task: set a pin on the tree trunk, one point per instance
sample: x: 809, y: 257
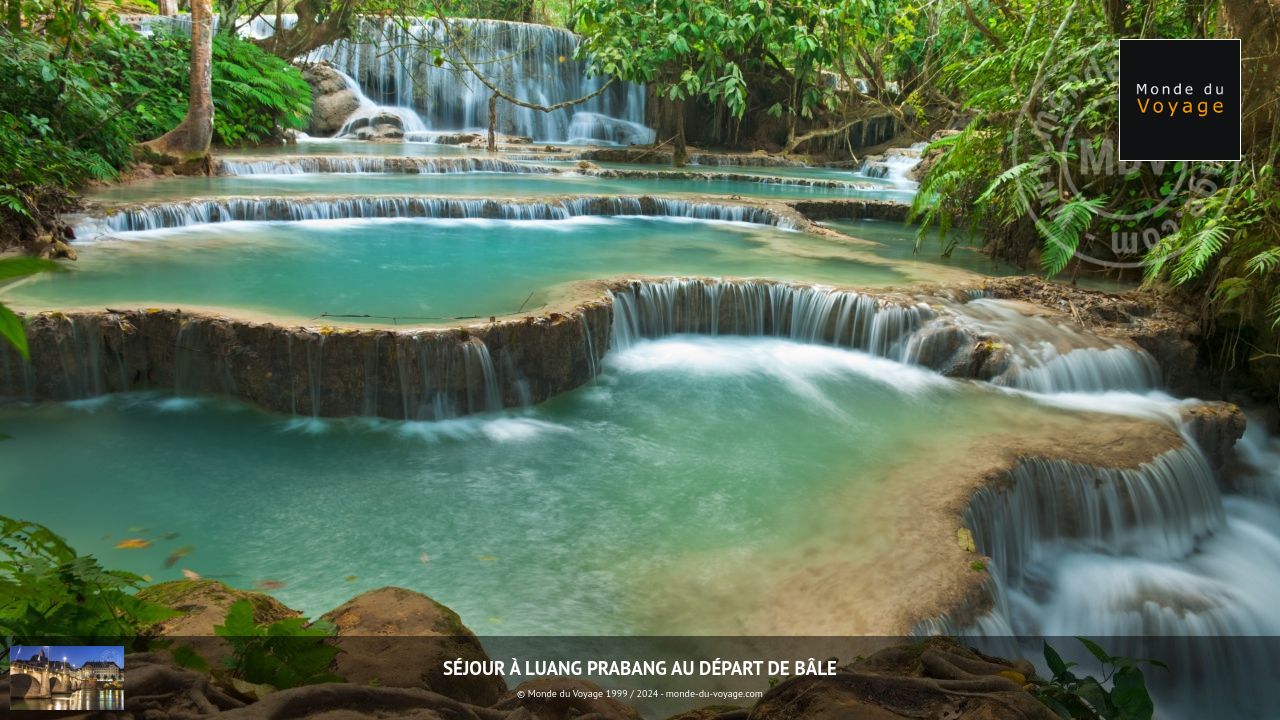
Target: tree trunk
x: 493, y: 122
x: 168, y: 7
x: 680, y: 155
x: 190, y: 140
x: 1257, y: 24
x: 318, y: 24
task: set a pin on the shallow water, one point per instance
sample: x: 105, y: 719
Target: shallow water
x: 426, y: 269
x: 896, y: 241
x: 576, y: 516
x: 479, y: 184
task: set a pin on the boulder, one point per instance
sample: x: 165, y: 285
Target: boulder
x: 394, y: 637
x: 201, y: 605
x: 1215, y: 426
x: 379, y: 126
x: 332, y: 100
x: 543, y: 700
x: 937, y: 678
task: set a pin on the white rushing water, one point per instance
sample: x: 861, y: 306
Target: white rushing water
x: 894, y: 165
x: 1157, y: 561
x: 392, y: 66
x: 156, y: 216
x: 395, y: 64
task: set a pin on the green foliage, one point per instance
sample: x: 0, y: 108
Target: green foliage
x: 1038, y: 160
x: 255, y: 94
x: 78, y: 96
x: 805, y: 54
x: 1088, y: 698
x: 287, y: 653
x: 57, y: 128
x: 47, y: 590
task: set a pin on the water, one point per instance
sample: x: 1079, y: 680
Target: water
x: 730, y: 454
x: 416, y: 268
x: 394, y: 64
x: 78, y: 700
x: 470, y: 184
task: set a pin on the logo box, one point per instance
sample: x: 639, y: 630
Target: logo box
x: 1179, y: 100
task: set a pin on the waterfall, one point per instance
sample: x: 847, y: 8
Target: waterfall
x: 372, y: 164
x: 1046, y: 356
x: 476, y: 353
x: 368, y: 112
x: 155, y: 216
x: 804, y: 313
x: 894, y: 165
x: 396, y: 64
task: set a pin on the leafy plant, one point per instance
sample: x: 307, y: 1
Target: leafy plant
x: 48, y: 591
x: 287, y: 653
x: 11, y: 327
x: 1088, y: 697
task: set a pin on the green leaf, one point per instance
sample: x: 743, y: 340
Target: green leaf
x: 1130, y: 697
x: 1054, y: 660
x: 12, y: 329
x: 21, y: 266
x: 1096, y: 650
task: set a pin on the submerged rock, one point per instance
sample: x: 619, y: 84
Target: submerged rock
x: 394, y: 637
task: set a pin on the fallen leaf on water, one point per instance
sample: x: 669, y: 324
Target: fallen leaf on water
x: 488, y: 558
x: 190, y: 574
x: 133, y: 544
x: 177, y: 555
x: 270, y: 584
x: 137, y: 529
x: 351, y: 578
x: 424, y: 559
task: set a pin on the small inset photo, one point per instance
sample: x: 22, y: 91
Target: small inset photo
x: 66, y: 677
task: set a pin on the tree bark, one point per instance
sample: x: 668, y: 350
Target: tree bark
x: 1257, y: 24
x: 190, y: 140
x: 680, y: 154
x: 168, y: 7
x: 319, y: 23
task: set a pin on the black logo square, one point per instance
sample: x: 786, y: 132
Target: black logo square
x: 1179, y: 100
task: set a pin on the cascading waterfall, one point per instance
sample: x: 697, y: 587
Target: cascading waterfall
x: 894, y: 166
x: 804, y: 313
x: 368, y: 112
x: 1046, y: 356
x: 155, y: 216
x: 395, y: 64
x: 1154, y: 561
x: 373, y: 164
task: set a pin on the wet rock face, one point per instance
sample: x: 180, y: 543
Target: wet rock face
x: 935, y: 679
x: 427, y: 374
x: 1168, y: 335
x: 852, y: 210
x: 392, y: 637
x: 332, y: 101
x: 1215, y: 426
